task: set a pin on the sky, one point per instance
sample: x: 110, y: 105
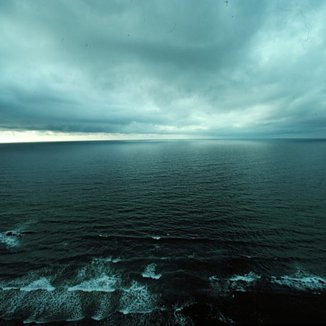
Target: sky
x: 138, y: 69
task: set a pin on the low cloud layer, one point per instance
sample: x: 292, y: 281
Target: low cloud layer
x: 202, y: 68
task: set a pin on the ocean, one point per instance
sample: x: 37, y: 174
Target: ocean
x: 205, y: 232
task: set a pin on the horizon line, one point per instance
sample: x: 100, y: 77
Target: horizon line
x: 162, y: 140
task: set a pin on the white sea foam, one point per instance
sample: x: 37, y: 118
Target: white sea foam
x: 40, y: 284
x: 240, y: 283
x: 150, y: 272
x: 301, y: 281
x: 156, y: 237
x: 9, y: 288
x: 52, y: 306
x: 10, y: 301
x: 115, y: 260
x: 136, y: 299
x: 34, y: 299
x: 9, y: 241
x: 96, y: 277
x: 93, y: 292
x: 103, y: 306
x: 14, y: 240
x: 18, y: 283
x: 41, y: 306
x: 110, y: 259
x: 247, y: 278
x: 103, y: 283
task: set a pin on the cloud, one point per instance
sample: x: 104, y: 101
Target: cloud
x: 253, y: 68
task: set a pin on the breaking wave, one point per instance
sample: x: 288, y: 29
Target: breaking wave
x: 150, y: 272
x: 301, y: 281
x: 9, y: 241
x: 240, y: 283
x: 94, y: 291
x: 40, y: 305
x: 103, y: 283
x: 12, y: 238
x: 41, y: 284
x: 110, y: 259
x: 98, y: 289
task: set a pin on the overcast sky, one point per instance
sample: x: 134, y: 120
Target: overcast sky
x: 167, y: 68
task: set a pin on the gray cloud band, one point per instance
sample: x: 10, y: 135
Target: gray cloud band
x: 248, y: 68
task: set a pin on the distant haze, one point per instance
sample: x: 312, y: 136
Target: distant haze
x: 162, y: 69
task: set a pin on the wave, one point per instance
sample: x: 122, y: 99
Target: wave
x: 137, y: 299
x: 237, y: 283
x: 40, y: 306
x: 150, y: 272
x: 96, y: 290
x: 12, y: 238
x: 104, y: 283
x: 92, y: 291
x: 301, y: 281
x: 9, y: 241
x: 41, y: 284
x: 247, y: 278
x: 109, y: 259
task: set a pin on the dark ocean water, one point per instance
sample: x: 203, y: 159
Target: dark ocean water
x: 165, y: 233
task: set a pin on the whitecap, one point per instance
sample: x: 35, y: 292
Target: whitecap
x: 301, y: 281
x: 110, y: 259
x: 11, y: 238
x: 40, y: 284
x: 237, y: 283
x: 115, y: 260
x: 8, y: 288
x: 9, y: 241
x: 149, y: 272
x: 156, y: 237
x: 247, y: 278
x: 103, y: 283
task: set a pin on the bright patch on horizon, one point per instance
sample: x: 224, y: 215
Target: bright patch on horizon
x: 50, y: 136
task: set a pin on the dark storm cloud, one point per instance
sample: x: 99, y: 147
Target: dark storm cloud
x: 236, y: 68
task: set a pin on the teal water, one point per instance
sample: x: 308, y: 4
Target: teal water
x: 170, y: 232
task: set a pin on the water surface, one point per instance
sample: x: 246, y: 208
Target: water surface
x: 171, y: 232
